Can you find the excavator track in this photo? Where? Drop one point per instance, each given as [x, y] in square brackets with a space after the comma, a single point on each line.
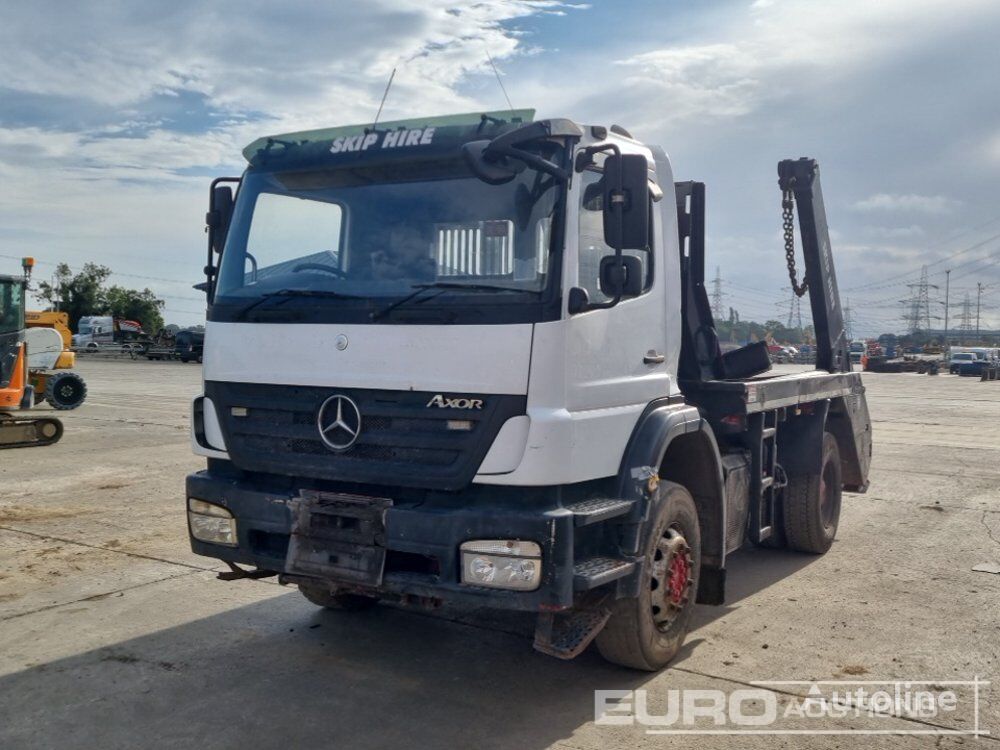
[27, 432]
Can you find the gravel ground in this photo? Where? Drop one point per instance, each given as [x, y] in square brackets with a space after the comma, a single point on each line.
[113, 634]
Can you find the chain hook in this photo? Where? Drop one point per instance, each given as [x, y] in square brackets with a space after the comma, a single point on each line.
[788, 226]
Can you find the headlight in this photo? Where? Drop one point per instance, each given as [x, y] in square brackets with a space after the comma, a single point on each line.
[502, 564]
[211, 523]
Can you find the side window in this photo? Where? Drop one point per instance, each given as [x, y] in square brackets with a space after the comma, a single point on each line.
[287, 231]
[592, 245]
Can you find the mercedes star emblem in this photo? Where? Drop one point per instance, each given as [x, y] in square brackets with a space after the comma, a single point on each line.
[339, 422]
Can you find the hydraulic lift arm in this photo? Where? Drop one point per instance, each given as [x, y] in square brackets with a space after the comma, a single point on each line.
[799, 182]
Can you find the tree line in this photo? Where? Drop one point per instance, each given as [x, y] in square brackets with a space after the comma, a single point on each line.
[739, 331]
[88, 293]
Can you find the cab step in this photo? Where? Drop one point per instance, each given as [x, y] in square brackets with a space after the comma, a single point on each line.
[595, 510]
[566, 635]
[597, 571]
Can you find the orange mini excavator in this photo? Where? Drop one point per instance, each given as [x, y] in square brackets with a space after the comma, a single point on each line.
[16, 392]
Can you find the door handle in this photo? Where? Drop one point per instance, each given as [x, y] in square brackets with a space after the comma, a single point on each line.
[653, 358]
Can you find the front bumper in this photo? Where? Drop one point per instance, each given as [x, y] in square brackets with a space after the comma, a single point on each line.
[422, 538]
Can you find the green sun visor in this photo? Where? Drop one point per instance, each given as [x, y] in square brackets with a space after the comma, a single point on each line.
[418, 138]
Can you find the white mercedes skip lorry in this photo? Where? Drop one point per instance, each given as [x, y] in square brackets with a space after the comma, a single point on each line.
[471, 359]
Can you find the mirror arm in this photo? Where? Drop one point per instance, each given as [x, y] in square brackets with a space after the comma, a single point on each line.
[532, 160]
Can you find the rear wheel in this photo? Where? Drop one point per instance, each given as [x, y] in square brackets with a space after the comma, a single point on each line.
[346, 602]
[647, 631]
[812, 503]
[65, 390]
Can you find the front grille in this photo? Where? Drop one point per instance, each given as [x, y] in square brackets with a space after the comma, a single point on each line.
[402, 441]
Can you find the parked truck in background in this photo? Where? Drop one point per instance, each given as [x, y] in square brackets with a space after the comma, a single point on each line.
[472, 359]
[95, 331]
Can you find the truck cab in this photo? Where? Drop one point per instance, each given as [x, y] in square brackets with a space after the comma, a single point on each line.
[469, 359]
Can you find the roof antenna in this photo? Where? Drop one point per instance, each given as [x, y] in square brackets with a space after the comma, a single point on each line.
[497, 74]
[384, 95]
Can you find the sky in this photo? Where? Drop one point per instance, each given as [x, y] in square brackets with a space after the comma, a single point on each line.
[115, 116]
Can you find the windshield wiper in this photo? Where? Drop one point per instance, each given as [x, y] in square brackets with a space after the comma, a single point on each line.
[444, 286]
[289, 294]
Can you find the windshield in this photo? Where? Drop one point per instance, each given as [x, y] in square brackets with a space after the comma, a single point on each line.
[11, 306]
[367, 237]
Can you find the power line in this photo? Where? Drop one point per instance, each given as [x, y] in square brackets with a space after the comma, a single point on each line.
[965, 317]
[881, 283]
[115, 273]
[919, 317]
[717, 295]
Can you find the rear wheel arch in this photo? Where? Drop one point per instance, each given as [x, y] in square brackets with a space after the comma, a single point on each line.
[848, 415]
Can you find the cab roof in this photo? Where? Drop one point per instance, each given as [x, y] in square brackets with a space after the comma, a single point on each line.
[416, 137]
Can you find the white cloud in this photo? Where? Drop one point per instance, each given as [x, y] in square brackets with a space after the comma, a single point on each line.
[714, 80]
[117, 188]
[867, 88]
[897, 233]
[934, 205]
[294, 61]
[778, 53]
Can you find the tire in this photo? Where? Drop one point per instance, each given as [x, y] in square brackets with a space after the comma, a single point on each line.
[65, 390]
[812, 503]
[647, 631]
[343, 602]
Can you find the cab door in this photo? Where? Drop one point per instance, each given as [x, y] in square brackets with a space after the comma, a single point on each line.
[616, 357]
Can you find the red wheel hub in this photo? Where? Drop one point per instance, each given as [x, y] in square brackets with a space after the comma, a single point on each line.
[679, 574]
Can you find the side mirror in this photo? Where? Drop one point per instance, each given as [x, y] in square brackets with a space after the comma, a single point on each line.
[220, 213]
[621, 276]
[626, 201]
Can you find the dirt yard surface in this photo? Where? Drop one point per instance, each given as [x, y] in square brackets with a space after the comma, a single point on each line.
[114, 635]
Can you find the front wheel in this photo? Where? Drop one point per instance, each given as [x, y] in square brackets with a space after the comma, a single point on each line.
[65, 390]
[647, 631]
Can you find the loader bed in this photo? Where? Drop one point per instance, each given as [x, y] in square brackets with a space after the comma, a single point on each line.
[771, 391]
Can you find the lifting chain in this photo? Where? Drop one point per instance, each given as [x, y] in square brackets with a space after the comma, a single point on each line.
[788, 225]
